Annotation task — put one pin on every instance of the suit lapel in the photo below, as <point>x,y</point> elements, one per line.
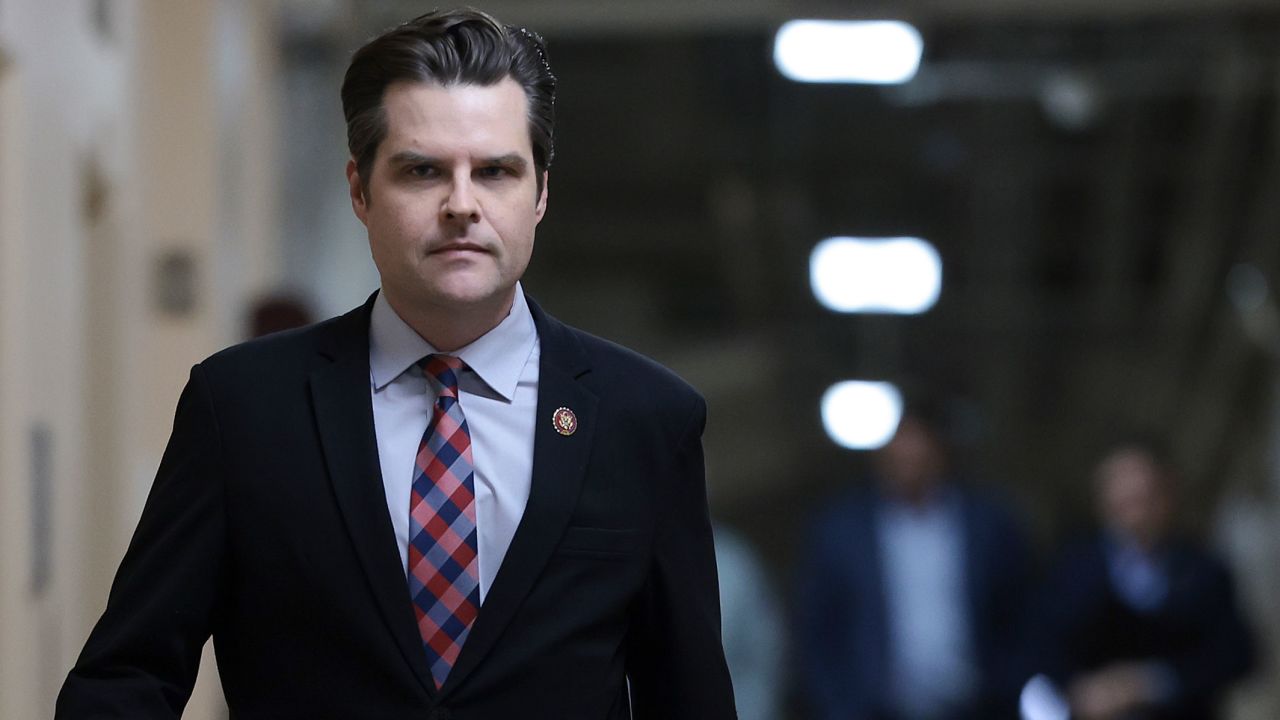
<point>559,466</point>
<point>344,417</point>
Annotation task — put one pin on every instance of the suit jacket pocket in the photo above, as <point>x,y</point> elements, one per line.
<point>599,542</point>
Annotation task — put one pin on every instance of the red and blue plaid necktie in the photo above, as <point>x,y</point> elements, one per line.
<point>444,573</point>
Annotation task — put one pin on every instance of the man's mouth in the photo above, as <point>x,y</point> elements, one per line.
<point>458,248</point>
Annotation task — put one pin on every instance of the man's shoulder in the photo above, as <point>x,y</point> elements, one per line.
<point>987,507</point>
<point>1082,553</point>
<point>850,507</point>
<point>273,348</point>
<point>620,368</point>
<point>612,358</point>
<point>291,352</point>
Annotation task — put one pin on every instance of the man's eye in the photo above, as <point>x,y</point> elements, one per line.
<point>424,171</point>
<point>494,171</point>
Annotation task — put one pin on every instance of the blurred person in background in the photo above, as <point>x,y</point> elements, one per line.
<point>1137,621</point>
<point>908,591</point>
<point>753,627</point>
<point>276,313</point>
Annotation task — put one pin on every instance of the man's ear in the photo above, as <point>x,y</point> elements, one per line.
<point>541,208</point>
<point>359,201</point>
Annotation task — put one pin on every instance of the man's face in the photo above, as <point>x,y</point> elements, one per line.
<point>1133,496</point>
<point>452,202</point>
<point>912,464</point>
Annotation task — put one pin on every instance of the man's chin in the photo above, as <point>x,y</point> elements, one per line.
<point>471,299</point>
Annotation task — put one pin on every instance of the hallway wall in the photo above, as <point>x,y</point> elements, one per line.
<point>137,171</point>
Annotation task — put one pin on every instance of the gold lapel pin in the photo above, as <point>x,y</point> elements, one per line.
<point>565,421</point>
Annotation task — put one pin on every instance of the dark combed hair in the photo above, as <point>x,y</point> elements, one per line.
<point>448,47</point>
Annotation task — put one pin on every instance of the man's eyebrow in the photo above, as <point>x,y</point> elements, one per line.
<point>511,160</point>
<point>410,157</point>
<point>407,157</point>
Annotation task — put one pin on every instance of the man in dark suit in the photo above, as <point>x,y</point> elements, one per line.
<point>908,591</point>
<point>1137,622</point>
<point>445,503</point>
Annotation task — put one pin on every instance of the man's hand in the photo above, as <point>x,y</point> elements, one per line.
<point>1112,692</point>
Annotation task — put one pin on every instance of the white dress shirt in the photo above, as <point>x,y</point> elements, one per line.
<point>932,665</point>
<point>499,397</point>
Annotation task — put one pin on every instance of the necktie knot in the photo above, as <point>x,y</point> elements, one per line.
<point>444,369</point>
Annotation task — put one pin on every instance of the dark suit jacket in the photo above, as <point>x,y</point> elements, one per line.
<point>1082,625</point>
<point>267,527</point>
<point>842,624</point>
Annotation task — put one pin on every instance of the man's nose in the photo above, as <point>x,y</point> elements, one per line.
<point>460,204</point>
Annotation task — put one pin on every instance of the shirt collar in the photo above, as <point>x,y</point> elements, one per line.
<point>498,357</point>
<point>943,501</point>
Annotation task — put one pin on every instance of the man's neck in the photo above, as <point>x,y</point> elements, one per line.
<point>450,329</point>
<point>918,496</point>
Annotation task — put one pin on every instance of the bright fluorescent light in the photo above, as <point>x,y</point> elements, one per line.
<point>901,275</point>
<point>880,52</point>
<point>861,414</point>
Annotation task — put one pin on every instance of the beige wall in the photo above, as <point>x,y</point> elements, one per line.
<point>15,528</point>
<point>117,148</point>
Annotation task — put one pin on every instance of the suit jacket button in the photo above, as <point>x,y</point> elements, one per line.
<point>441,714</point>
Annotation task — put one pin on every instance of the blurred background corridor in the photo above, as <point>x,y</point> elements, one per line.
<point>1091,189</point>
